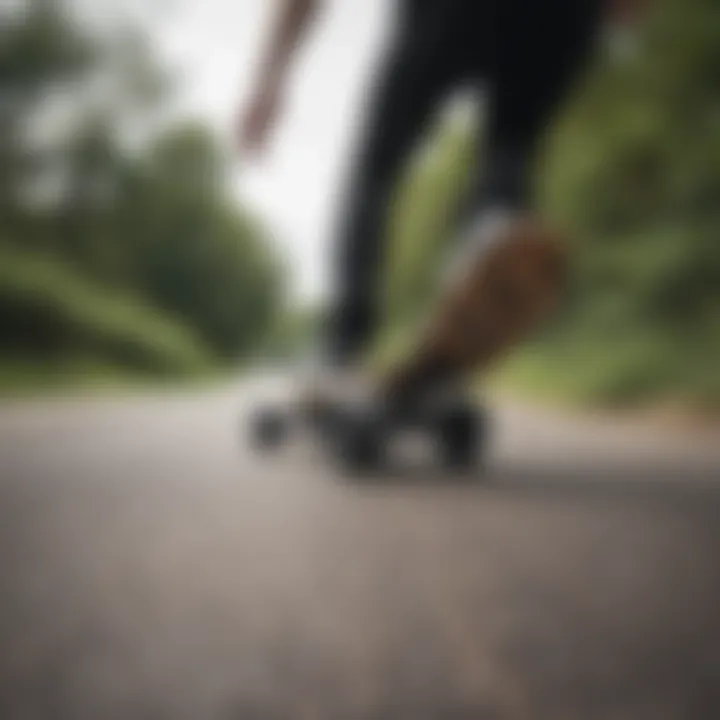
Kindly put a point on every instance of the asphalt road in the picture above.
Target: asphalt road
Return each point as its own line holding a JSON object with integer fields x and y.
{"x": 151, "y": 566}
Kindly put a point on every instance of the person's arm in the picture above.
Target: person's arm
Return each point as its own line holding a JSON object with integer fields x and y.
{"x": 261, "y": 112}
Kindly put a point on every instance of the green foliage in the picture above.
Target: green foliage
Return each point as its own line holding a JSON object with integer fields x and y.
{"x": 634, "y": 174}
{"x": 119, "y": 237}
{"x": 294, "y": 333}
{"x": 49, "y": 311}
{"x": 422, "y": 219}
{"x": 40, "y": 47}
{"x": 201, "y": 259}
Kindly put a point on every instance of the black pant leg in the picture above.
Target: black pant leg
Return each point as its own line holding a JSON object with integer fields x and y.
{"x": 538, "y": 50}
{"x": 413, "y": 81}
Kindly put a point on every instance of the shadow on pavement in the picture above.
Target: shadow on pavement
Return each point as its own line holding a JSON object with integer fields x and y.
{"x": 642, "y": 481}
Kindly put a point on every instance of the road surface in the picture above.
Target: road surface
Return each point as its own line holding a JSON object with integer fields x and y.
{"x": 151, "y": 566}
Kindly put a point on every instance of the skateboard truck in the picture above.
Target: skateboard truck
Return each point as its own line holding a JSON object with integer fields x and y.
{"x": 358, "y": 435}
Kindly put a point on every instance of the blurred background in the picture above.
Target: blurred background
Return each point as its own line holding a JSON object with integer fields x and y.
{"x": 125, "y": 249}
{"x": 152, "y": 566}
{"x": 137, "y": 243}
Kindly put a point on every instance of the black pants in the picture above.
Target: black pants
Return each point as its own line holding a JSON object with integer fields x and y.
{"x": 523, "y": 52}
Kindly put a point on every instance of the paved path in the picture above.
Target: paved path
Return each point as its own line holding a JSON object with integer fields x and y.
{"x": 152, "y": 567}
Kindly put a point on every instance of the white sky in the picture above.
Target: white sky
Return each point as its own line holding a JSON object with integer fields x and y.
{"x": 216, "y": 45}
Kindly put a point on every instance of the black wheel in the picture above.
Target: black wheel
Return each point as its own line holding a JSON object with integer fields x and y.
{"x": 462, "y": 435}
{"x": 359, "y": 440}
{"x": 269, "y": 429}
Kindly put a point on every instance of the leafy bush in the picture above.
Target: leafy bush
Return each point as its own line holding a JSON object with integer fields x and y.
{"x": 48, "y": 310}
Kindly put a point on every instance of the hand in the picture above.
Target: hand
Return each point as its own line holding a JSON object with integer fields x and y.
{"x": 258, "y": 119}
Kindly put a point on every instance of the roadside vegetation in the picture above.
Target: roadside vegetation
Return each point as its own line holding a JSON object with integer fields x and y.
{"x": 121, "y": 249}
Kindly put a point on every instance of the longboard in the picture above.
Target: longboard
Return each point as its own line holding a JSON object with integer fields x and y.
{"x": 507, "y": 280}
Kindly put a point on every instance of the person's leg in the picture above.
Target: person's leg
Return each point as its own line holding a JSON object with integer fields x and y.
{"x": 538, "y": 50}
{"x": 413, "y": 82}
{"x": 510, "y": 264}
